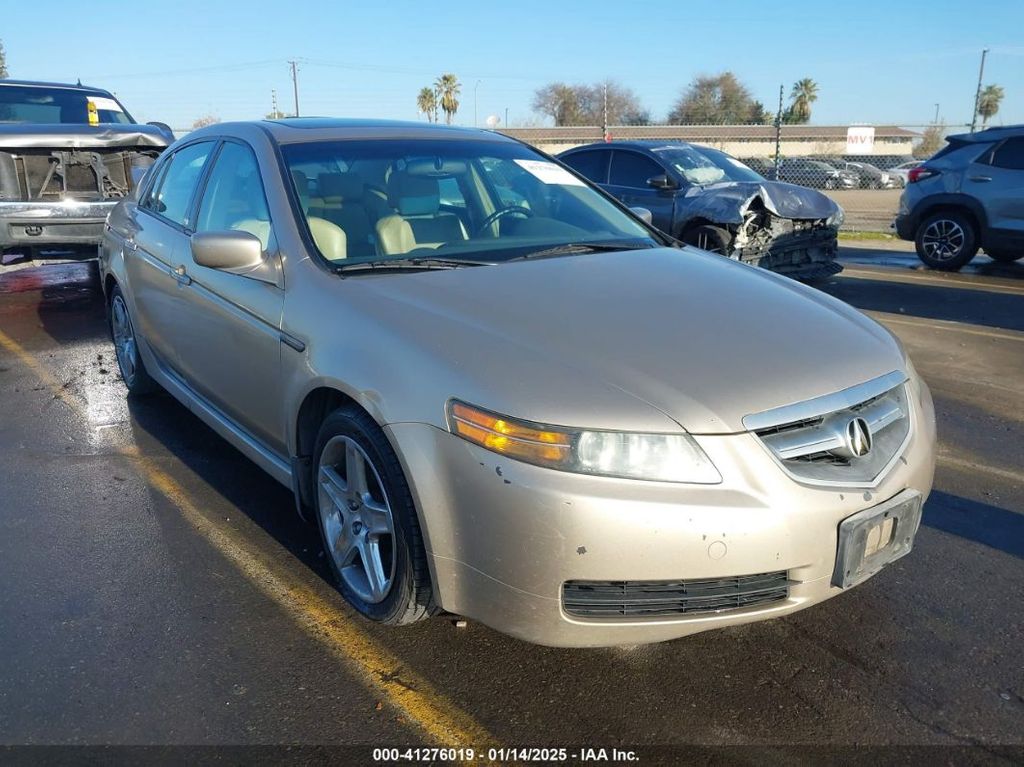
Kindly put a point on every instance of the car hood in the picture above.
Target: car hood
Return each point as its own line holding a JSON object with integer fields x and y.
{"x": 29, "y": 135}
{"x": 726, "y": 202}
{"x": 702, "y": 339}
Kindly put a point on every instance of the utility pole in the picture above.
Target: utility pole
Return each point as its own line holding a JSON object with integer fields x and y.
{"x": 977, "y": 93}
{"x": 295, "y": 84}
{"x": 778, "y": 135}
{"x": 936, "y": 120}
{"x": 506, "y": 117}
{"x": 273, "y": 104}
{"x": 604, "y": 125}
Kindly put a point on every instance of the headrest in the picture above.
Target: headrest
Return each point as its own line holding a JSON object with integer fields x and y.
{"x": 329, "y": 238}
{"x": 413, "y": 195}
{"x": 347, "y": 186}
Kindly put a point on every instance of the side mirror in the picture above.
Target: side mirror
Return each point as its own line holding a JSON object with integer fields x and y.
{"x": 662, "y": 182}
{"x": 643, "y": 214}
{"x": 231, "y": 249}
{"x": 164, "y": 127}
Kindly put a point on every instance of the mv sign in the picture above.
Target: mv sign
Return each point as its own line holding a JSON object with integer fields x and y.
{"x": 860, "y": 139}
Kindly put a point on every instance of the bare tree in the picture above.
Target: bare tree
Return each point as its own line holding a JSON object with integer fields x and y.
{"x": 585, "y": 104}
{"x": 931, "y": 141}
{"x": 716, "y": 99}
{"x": 205, "y": 120}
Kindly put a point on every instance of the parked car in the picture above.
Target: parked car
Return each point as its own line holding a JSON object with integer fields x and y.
{"x": 547, "y": 419}
{"x": 710, "y": 200}
{"x": 761, "y": 166}
{"x": 903, "y": 169}
{"x": 868, "y": 175}
{"x": 816, "y": 174}
{"x": 68, "y": 153}
{"x": 968, "y": 195}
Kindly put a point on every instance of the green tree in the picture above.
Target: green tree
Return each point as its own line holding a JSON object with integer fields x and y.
{"x": 3, "y": 62}
{"x": 447, "y": 88}
{"x": 426, "y": 103}
{"x": 988, "y": 103}
{"x": 804, "y": 93}
{"x": 716, "y": 99}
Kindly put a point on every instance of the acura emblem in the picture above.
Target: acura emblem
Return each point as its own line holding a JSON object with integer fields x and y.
{"x": 858, "y": 437}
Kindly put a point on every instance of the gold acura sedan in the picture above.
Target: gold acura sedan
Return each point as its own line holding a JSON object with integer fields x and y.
{"x": 499, "y": 393}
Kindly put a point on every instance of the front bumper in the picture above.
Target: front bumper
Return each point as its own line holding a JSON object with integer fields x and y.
{"x": 39, "y": 224}
{"x": 503, "y": 537}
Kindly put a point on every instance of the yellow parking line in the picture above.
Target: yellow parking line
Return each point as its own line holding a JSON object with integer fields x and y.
{"x": 959, "y": 284}
{"x": 443, "y": 722}
{"x": 940, "y": 325}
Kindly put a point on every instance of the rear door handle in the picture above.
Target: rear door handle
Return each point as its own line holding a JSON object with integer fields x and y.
{"x": 980, "y": 179}
{"x": 181, "y": 276}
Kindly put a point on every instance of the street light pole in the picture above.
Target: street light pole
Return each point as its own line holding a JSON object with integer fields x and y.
{"x": 936, "y": 120}
{"x": 475, "y": 122}
{"x": 977, "y": 93}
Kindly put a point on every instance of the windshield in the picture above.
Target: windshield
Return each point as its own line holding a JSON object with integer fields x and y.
{"x": 56, "y": 106}
{"x": 469, "y": 201}
{"x": 702, "y": 165}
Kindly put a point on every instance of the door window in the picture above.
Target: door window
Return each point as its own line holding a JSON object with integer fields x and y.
{"x": 234, "y": 198}
{"x": 171, "y": 195}
{"x": 592, "y": 165}
{"x": 1009, "y": 154}
{"x": 632, "y": 169}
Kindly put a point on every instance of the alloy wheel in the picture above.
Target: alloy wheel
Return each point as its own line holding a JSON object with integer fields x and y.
{"x": 356, "y": 517}
{"x": 123, "y": 334}
{"x": 943, "y": 239}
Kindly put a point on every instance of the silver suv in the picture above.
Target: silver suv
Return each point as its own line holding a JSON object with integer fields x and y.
{"x": 969, "y": 195}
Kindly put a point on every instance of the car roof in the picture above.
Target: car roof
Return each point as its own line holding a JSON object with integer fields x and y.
{"x": 302, "y": 129}
{"x": 65, "y": 86}
{"x": 641, "y": 144}
{"x": 989, "y": 134}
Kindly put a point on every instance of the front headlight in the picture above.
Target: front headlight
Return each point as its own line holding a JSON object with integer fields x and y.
{"x": 654, "y": 457}
{"x": 837, "y": 218}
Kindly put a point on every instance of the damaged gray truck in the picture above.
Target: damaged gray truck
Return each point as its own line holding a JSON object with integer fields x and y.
{"x": 68, "y": 154}
{"x": 708, "y": 199}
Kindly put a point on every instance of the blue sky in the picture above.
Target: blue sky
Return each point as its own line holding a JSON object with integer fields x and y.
{"x": 875, "y": 62}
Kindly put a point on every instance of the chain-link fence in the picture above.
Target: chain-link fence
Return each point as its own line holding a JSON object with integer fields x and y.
{"x": 862, "y": 167}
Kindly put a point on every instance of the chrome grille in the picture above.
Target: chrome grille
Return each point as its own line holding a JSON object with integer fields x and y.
{"x": 654, "y": 599}
{"x": 810, "y": 438}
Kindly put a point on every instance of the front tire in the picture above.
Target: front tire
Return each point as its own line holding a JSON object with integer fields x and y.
{"x": 946, "y": 240}
{"x": 367, "y": 521}
{"x": 126, "y": 348}
{"x": 1004, "y": 256}
{"x": 713, "y": 239}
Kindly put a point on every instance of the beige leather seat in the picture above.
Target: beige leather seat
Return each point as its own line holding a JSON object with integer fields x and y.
{"x": 417, "y": 223}
{"x": 330, "y": 238}
{"x": 342, "y": 203}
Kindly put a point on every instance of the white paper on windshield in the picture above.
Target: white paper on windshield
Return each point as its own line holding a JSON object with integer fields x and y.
{"x": 102, "y": 103}
{"x": 549, "y": 173}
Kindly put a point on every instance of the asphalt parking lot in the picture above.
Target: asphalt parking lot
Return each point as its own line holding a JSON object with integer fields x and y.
{"x": 158, "y": 588}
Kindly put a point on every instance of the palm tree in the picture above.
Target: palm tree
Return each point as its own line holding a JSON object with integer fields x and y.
{"x": 804, "y": 93}
{"x": 447, "y": 88}
{"x": 426, "y": 102}
{"x": 988, "y": 103}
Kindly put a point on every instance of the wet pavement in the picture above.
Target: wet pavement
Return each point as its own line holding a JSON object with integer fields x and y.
{"x": 129, "y": 614}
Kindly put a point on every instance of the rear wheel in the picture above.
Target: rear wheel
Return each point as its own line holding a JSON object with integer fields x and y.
{"x": 713, "y": 239}
{"x": 946, "y": 240}
{"x": 367, "y": 521}
{"x": 126, "y": 348}
{"x": 1005, "y": 256}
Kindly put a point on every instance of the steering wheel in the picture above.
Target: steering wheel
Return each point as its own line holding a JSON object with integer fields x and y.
{"x": 511, "y": 210}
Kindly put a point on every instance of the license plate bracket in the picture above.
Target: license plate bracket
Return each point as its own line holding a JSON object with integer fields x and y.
{"x": 897, "y": 519}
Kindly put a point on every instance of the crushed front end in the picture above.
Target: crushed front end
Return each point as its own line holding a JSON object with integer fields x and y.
{"x": 801, "y": 248}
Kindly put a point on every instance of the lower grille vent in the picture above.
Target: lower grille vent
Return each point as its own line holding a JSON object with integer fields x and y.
{"x": 652, "y": 599}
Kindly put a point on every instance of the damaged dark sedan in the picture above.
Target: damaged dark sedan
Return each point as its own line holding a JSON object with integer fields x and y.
{"x": 68, "y": 154}
{"x": 708, "y": 199}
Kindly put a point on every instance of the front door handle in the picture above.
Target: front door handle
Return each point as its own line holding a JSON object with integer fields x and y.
{"x": 181, "y": 276}
{"x": 980, "y": 179}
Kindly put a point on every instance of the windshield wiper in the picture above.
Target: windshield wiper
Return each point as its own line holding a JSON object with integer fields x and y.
{"x": 571, "y": 248}
{"x": 410, "y": 263}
